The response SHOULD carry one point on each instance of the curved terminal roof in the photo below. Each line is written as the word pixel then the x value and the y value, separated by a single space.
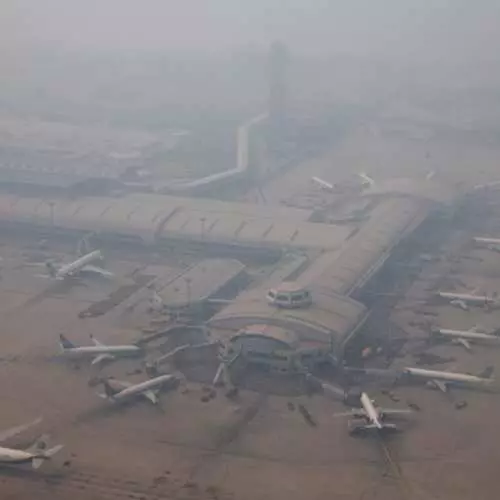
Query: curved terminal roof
pixel 327 320
pixel 285 338
pixel 343 270
pixel 152 217
pixel 331 277
pixel 198 283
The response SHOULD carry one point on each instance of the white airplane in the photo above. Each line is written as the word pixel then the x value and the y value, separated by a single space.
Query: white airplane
pixel 156 302
pixel 487 185
pixel 36 454
pixel 490 243
pixel 464 300
pixel 82 264
pixel 366 180
pixel 118 391
pixel 441 380
pixel 100 352
pixel 465 337
pixel 373 415
pixel 323 184
pixel 430 175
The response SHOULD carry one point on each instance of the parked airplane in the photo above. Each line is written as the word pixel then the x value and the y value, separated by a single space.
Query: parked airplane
pixel 490 243
pixel 465 300
pixel 465 337
pixel 323 184
pixel 441 379
pixel 366 180
pixel 430 175
pixel 99 352
pixel 487 185
pixel 82 264
pixel 36 454
pixel 118 391
pixel 373 415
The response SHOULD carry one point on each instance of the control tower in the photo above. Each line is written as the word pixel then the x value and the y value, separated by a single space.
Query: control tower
pixel 277 73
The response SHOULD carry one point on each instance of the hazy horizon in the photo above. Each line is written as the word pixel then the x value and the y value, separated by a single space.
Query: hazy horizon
pixel 425 30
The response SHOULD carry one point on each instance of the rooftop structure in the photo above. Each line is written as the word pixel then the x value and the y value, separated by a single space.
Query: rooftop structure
pixel 202 281
pixel 165 218
pixel 346 256
pixel 325 323
pixel 329 316
pixel 341 271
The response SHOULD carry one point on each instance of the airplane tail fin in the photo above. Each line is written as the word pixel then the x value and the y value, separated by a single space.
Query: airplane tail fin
pixel 39 460
pixel 83 246
pixel 39 446
pixel 51 268
pixel 109 391
pixel 65 343
pixel 487 372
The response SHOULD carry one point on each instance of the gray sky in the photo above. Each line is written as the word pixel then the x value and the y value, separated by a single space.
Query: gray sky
pixel 394 27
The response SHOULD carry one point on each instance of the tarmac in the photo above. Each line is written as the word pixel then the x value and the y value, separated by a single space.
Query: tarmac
pixel 257 446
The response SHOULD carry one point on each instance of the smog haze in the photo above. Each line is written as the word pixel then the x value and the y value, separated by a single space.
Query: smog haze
pixel 426 29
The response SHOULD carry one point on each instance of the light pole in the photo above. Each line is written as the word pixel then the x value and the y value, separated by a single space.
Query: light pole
pixel 202 220
pixel 51 207
pixel 188 292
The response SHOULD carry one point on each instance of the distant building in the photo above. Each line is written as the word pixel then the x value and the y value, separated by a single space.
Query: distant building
pixel 277 73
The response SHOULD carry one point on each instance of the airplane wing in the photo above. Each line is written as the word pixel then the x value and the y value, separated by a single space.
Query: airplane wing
pixel 465 343
pixel 102 357
pixel 96 342
pixel 439 384
pixel 97 270
pixel 14 431
pixel 395 411
pixel 352 413
pixel 151 396
pixel 460 303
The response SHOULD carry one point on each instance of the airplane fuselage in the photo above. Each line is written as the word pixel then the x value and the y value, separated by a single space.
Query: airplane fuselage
pixel 12 456
pixel 460 378
pixel 77 265
pixel 467 298
pixel 137 389
pixel 487 241
pixel 468 335
pixel 115 350
pixel 372 414
pixel 323 184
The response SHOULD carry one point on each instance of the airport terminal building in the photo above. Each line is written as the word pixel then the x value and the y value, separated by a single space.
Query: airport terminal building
pixel 332 261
